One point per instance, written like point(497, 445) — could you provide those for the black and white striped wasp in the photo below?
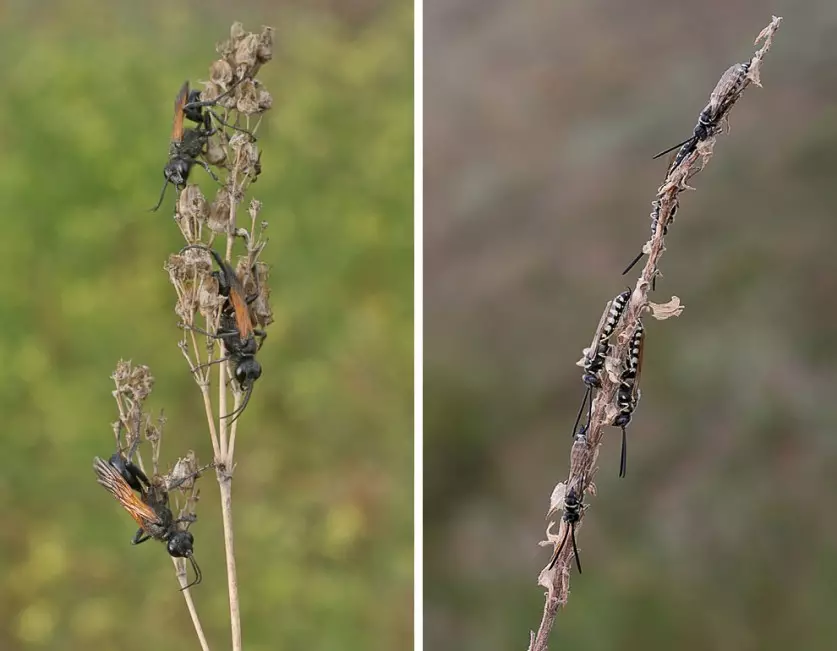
point(594, 357)
point(573, 507)
point(655, 219)
point(627, 395)
point(726, 93)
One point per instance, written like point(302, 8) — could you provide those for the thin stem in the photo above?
point(180, 572)
point(225, 484)
point(233, 429)
point(213, 434)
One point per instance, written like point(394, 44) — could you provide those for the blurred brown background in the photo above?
point(541, 119)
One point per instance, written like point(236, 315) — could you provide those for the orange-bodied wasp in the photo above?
point(235, 328)
point(150, 509)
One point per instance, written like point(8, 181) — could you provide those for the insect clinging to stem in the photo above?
point(149, 507)
point(594, 358)
point(627, 395)
point(573, 508)
point(726, 92)
point(187, 145)
point(235, 328)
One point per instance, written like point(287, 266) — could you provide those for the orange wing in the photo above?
point(179, 103)
point(242, 310)
point(109, 477)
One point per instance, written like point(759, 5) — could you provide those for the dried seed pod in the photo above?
point(245, 52)
point(219, 212)
point(192, 210)
point(264, 53)
point(184, 473)
point(215, 153)
point(265, 100)
point(220, 74)
point(247, 98)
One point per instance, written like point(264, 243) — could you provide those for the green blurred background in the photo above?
point(540, 123)
point(323, 488)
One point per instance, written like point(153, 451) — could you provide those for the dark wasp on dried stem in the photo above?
point(655, 220)
point(627, 395)
point(573, 506)
point(149, 506)
point(726, 93)
point(594, 357)
point(235, 328)
point(188, 145)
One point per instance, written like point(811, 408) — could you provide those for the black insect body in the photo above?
point(594, 359)
point(235, 329)
point(573, 508)
point(130, 472)
point(655, 219)
point(187, 144)
point(150, 509)
point(627, 395)
point(726, 93)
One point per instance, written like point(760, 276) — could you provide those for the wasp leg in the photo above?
point(575, 549)
point(208, 169)
point(140, 537)
point(231, 126)
point(220, 335)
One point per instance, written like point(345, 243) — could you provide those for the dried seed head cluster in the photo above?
point(612, 369)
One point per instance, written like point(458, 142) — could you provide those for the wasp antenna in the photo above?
point(623, 460)
point(235, 414)
point(677, 146)
point(575, 549)
point(558, 551)
point(162, 196)
point(198, 575)
point(581, 409)
point(633, 262)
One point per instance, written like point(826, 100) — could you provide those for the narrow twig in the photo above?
point(182, 578)
point(555, 577)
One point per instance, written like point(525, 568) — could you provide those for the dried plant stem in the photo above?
point(555, 578)
point(213, 433)
point(224, 475)
point(225, 484)
point(180, 569)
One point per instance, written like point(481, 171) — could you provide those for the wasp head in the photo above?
point(180, 544)
point(248, 371)
point(176, 171)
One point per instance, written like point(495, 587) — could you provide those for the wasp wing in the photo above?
point(109, 477)
point(179, 103)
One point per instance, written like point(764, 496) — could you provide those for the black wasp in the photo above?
point(627, 395)
point(726, 93)
point(655, 219)
point(573, 508)
point(187, 144)
point(149, 506)
point(594, 358)
point(235, 328)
